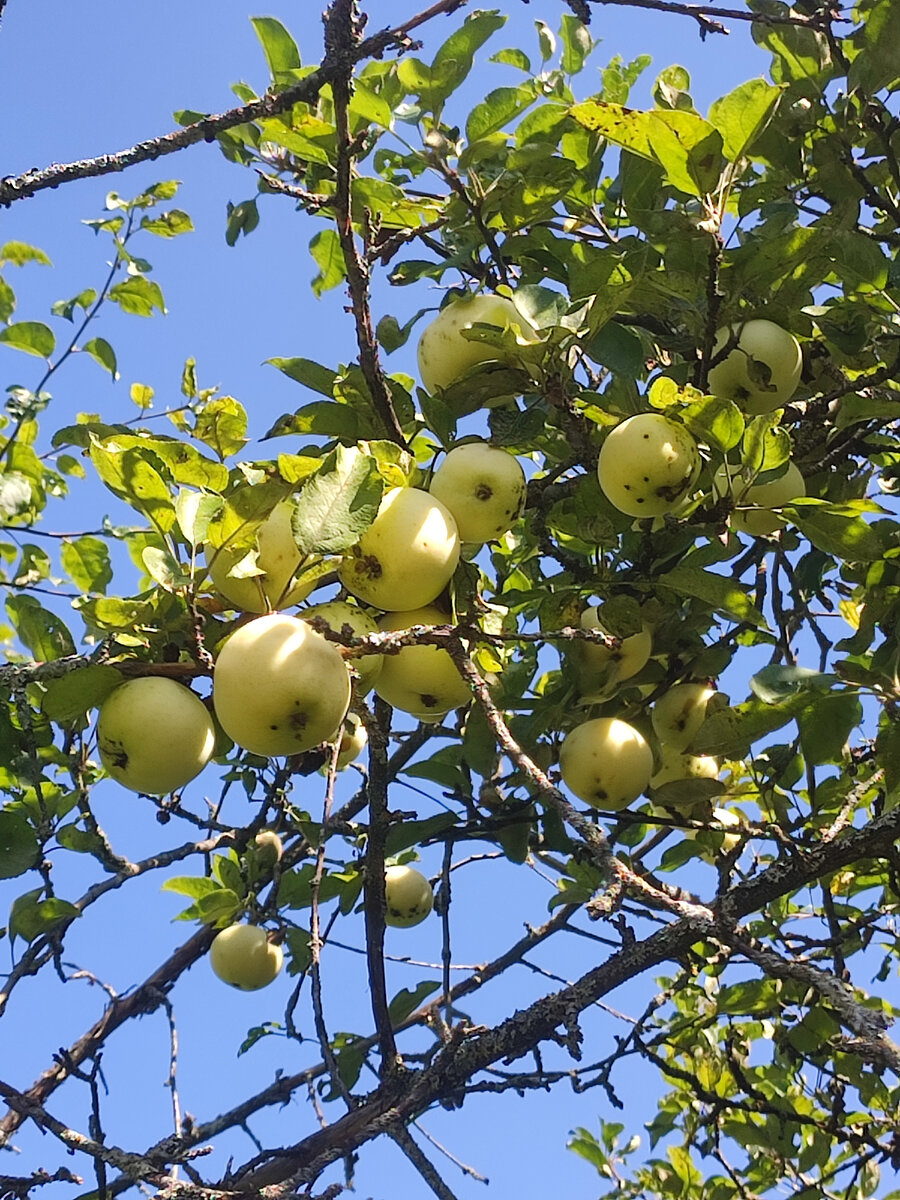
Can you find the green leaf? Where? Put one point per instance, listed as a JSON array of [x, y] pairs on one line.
[[193, 886], [826, 727], [499, 107], [775, 683], [717, 422], [31, 336], [311, 374], [322, 418], [19, 847], [876, 67], [86, 562], [41, 631], [70, 696], [409, 999], [837, 531], [718, 591], [243, 218], [743, 114], [168, 224], [325, 247], [730, 732], [278, 46], [66, 308], [102, 352], [577, 43], [7, 300], [128, 474], [221, 423], [138, 296], [20, 253], [339, 504], [392, 335], [30, 917], [194, 512], [403, 834]]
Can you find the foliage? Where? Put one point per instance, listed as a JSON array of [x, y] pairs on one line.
[[627, 239]]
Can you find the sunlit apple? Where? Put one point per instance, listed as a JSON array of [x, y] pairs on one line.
[[408, 897], [678, 715], [606, 763], [154, 735], [483, 487], [420, 680], [759, 521], [279, 687], [277, 559], [600, 668], [762, 371], [242, 956], [407, 555], [444, 354], [648, 465], [339, 616]]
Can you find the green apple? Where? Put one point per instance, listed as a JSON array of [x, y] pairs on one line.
[[408, 898], [279, 687], [243, 956], [675, 765], [277, 560], [600, 668], [606, 763], [444, 354], [678, 715], [762, 371], [759, 521], [714, 844], [154, 735], [354, 740], [269, 848], [483, 486], [648, 465], [420, 680], [339, 616], [407, 555]]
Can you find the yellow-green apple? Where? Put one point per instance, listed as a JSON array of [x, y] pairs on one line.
[[445, 354], [243, 956], [759, 521], [277, 560], [279, 687], [716, 843], [762, 370], [354, 740], [675, 765], [154, 735], [648, 465], [406, 556], [269, 848], [678, 715], [420, 680], [599, 668], [339, 616], [606, 763], [408, 898], [483, 486]]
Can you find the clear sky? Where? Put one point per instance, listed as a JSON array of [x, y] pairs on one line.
[[97, 76]]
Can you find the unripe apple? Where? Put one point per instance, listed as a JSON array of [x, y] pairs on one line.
[[407, 555], [354, 740], [243, 956], [761, 521], [761, 373], [483, 486], [444, 354], [606, 763], [335, 614], [648, 465], [154, 735], [420, 680], [602, 667], [278, 559], [408, 898], [279, 687], [676, 765], [269, 848], [713, 844], [678, 715]]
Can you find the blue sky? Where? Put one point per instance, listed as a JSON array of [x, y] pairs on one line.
[[84, 79]]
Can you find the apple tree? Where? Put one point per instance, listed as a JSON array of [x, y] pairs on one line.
[[602, 592]]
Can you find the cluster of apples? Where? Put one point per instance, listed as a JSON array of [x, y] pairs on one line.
[[245, 956]]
